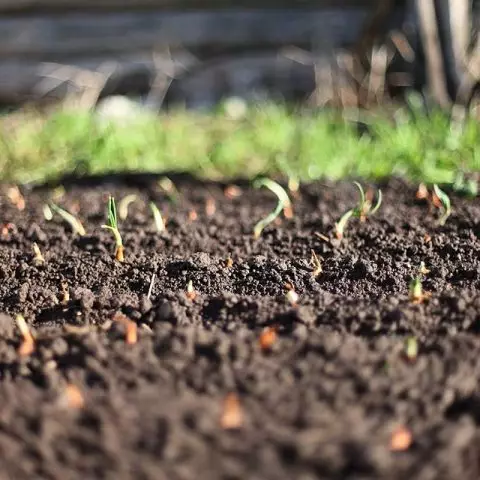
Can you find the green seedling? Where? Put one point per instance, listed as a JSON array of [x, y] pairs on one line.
[[157, 218], [123, 205], [113, 227], [76, 225], [445, 204], [284, 204], [411, 349], [363, 210], [416, 293], [169, 188]]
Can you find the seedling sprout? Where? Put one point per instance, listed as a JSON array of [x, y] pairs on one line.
[[422, 269], [38, 257], [191, 293], [65, 294], [130, 328], [157, 218], [47, 212], [113, 227], [363, 210], [445, 204], [292, 297], [232, 414], [317, 266], [411, 348], [123, 205], [169, 188], [28, 345], [150, 288], [76, 225], [284, 204]]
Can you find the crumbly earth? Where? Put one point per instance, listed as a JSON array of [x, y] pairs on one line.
[[324, 401]]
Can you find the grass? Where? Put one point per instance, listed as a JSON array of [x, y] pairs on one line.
[[269, 140]]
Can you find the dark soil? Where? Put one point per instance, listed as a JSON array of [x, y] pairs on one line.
[[323, 402]]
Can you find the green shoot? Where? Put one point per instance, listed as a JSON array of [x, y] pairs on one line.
[[113, 227], [416, 290], [123, 205], [445, 202], [363, 210], [416, 293], [157, 217], [169, 188], [284, 204], [411, 348], [76, 225]]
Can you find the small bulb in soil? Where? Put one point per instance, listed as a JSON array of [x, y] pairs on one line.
[[427, 238], [229, 262], [8, 228], [210, 207], [422, 269], [317, 266], [411, 349], [267, 338], [119, 253], [72, 398], [422, 192], [16, 197], [191, 293], [232, 191], [38, 257], [401, 439], [292, 297], [288, 212], [28, 345], [232, 415], [65, 294], [131, 336], [193, 215]]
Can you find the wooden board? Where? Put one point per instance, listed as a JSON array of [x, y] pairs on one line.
[[49, 37], [12, 6], [89, 40]]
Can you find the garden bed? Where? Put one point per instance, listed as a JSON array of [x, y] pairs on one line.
[[234, 378]]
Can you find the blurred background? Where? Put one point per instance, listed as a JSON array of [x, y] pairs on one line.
[[195, 53]]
